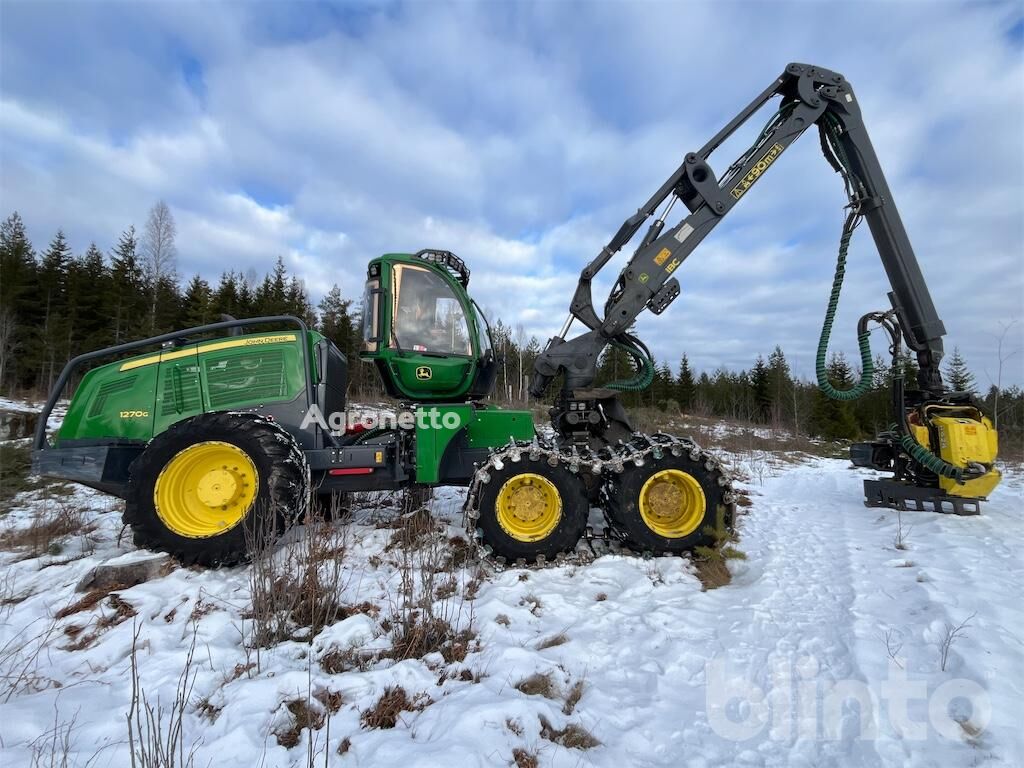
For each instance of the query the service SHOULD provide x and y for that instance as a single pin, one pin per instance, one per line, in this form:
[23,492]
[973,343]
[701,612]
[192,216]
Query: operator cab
[427,337]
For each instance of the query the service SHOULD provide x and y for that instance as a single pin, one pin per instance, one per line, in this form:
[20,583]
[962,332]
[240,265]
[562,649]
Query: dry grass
[89,600]
[52,523]
[156,733]
[331,700]
[295,589]
[523,759]
[389,707]
[555,640]
[572,697]
[711,562]
[538,685]
[573,736]
[304,717]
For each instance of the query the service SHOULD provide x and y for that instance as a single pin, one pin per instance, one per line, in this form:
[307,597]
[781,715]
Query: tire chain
[605,463]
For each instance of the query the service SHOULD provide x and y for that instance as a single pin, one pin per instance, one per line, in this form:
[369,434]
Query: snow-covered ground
[826,648]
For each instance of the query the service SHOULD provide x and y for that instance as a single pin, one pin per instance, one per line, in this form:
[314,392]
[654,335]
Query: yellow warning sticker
[662,257]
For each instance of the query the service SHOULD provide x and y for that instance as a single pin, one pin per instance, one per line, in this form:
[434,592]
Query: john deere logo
[423,373]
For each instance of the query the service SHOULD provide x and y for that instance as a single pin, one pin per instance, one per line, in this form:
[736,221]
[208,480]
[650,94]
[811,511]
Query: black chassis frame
[105,464]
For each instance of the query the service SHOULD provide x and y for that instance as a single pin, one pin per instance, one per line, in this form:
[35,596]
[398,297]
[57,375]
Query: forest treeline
[55,304]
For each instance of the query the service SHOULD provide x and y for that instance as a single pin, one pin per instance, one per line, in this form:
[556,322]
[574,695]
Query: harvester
[211,433]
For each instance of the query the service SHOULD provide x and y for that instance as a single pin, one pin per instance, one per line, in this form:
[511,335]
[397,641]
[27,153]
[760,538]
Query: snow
[767,671]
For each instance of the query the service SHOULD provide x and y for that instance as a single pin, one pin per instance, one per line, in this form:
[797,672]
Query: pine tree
[958,376]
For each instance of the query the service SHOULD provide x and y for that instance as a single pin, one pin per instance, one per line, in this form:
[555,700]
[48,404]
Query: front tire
[668,505]
[211,487]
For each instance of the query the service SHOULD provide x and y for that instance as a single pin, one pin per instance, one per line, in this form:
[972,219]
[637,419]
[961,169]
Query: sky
[520,136]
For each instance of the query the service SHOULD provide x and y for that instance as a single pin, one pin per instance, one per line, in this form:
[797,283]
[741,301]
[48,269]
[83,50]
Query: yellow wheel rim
[529,507]
[206,489]
[672,503]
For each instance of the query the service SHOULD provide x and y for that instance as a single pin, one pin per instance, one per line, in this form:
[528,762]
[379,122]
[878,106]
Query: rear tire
[181,502]
[530,509]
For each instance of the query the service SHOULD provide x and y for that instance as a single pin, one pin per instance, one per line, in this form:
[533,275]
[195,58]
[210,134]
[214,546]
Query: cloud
[520,137]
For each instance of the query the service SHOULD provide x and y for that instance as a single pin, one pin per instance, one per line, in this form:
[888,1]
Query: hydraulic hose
[644,373]
[867,370]
[926,458]
[836,156]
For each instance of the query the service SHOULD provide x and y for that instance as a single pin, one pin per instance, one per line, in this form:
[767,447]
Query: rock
[126,571]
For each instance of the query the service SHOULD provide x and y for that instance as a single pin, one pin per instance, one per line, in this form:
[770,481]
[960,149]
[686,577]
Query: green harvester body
[298,379]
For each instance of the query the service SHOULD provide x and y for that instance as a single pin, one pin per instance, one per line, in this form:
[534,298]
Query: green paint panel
[141,396]
[485,428]
[425,378]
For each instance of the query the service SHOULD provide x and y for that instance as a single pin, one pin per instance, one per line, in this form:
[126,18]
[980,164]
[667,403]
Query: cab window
[370,318]
[427,316]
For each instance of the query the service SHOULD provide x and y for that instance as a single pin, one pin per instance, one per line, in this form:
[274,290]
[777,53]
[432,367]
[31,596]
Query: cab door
[430,334]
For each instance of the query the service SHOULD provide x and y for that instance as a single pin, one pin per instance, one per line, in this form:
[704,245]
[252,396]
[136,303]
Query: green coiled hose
[926,458]
[830,141]
[867,370]
[644,374]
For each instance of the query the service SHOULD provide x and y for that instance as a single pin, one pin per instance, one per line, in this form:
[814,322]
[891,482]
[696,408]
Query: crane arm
[809,96]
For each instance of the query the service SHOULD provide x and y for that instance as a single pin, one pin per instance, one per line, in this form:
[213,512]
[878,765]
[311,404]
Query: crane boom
[809,95]
[940,446]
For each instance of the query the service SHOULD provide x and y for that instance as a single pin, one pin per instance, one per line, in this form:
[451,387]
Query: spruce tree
[686,387]
[19,306]
[780,385]
[198,303]
[958,377]
[52,282]
[834,419]
[761,390]
[128,302]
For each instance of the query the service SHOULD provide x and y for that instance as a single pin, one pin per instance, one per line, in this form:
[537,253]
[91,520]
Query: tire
[535,482]
[680,529]
[263,482]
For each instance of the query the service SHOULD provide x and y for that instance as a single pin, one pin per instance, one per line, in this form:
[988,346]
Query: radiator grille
[99,402]
[244,378]
[181,391]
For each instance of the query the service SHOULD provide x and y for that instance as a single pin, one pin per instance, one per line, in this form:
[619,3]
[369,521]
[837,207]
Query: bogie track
[633,476]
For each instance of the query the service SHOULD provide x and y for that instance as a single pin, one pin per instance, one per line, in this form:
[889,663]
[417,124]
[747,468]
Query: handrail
[39,440]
